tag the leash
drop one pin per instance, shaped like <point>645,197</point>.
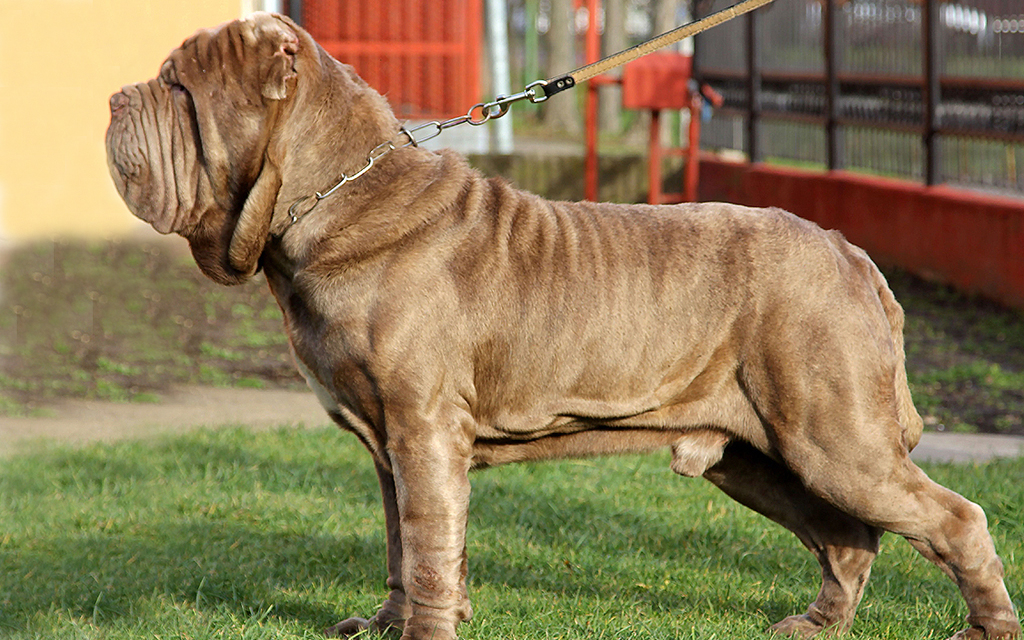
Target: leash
<point>584,73</point>
<point>536,92</point>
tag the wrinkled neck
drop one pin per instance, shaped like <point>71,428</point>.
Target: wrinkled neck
<point>327,136</point>
<point>399,197</point>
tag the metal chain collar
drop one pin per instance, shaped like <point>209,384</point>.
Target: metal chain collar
<point>487,111</point>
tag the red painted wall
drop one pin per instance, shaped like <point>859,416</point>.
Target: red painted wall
<point>972,241</point>
<point>424,56</point>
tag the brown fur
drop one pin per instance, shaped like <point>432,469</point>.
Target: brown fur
<point>451,322</point>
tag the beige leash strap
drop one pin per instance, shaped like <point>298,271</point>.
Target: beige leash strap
<point>587,72</point>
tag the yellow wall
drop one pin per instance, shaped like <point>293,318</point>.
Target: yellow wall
<point>59,62</point>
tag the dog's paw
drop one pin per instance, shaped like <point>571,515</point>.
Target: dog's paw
<point>363,628</point>
<point>347,628</point>
<point>429,628</point>
<point>386,624</point>
<point>970,633</point>
<point>800,627</point>
<point>1010,632</point>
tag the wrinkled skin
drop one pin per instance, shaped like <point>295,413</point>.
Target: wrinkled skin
<point>453,322</point>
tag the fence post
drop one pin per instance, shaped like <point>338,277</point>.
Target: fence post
<point>593,53</point>
<point>930,38</point>
<point>753,88</point>
<point>531,68</point>
<point>695,15</point>
<point>497,45</point>
<point>830,21</point>
<point>295,11</point>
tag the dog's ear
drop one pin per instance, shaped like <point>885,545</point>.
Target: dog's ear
<point>279,69</point>
<point>253,225</point>
<point>227,246</point>
<point>276,44</point>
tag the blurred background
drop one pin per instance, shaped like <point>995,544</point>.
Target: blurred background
<point>898,122</point>
<point>838,84</point>
<point>59,62</point>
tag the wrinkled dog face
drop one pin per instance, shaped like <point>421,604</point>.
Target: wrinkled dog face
<point>187,147</point>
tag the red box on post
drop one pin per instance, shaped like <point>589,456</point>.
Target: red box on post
<point>657,81</point>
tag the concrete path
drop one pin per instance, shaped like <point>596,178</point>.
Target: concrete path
<point>966,447</point>
<point>82,421</point>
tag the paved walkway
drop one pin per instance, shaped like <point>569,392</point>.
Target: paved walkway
<point>966,447</point>
<point>83,421</point>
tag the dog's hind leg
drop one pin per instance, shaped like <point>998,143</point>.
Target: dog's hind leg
<point>844,546</point>
<point>844,442</point>
<point>877,483</point>
<point>828,383</point>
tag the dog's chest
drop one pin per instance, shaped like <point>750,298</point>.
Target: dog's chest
<point>323,356</point>
<point>342,414</point>
<point>323,396</point>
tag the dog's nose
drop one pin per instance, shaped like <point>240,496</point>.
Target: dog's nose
<point>118,101</point>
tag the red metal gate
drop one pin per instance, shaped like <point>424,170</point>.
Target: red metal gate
<point>423,55</point>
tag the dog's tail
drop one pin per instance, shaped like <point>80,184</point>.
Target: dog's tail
<point>906,412</point>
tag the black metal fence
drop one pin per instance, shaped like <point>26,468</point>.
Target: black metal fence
<point>909,88</point>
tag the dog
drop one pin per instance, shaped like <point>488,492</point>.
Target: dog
<point>453,322</point>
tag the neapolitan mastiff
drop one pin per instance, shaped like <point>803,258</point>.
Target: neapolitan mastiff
<point>453,322</point>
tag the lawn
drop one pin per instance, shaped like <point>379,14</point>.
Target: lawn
<point>230,534</point>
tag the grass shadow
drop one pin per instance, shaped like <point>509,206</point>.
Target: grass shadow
<point>204,520</point>
<point>562,537</point>
<point>101,577</point>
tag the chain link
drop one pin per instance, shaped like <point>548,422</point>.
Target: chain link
<point>487,111</point>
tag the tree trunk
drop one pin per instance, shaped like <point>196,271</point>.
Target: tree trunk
<point>665,20</point>
<point>561,112</point>
<point>614,41</point>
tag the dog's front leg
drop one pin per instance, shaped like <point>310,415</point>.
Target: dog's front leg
<point>395,610</point>
<point>431,471</point>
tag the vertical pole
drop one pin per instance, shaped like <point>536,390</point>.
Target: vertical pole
<point>474,32</point>
<point>654,159</point>
<point>295,11</point>
<point>695,54</point>
<point>562,115</point>
<point>833,153</point>
<point>753,88</point>
<point>692,172</point>
<point>694,133</point>
<point>614,39</point>
<point>930,26</point>
<point>532,67</point>
<point>664,21</point>
<point>593,49</point>
<point>497,40</point>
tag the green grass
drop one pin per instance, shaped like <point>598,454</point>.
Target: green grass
<point>123,321</point>
<point>965,357</point>
<point>231,534</point>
